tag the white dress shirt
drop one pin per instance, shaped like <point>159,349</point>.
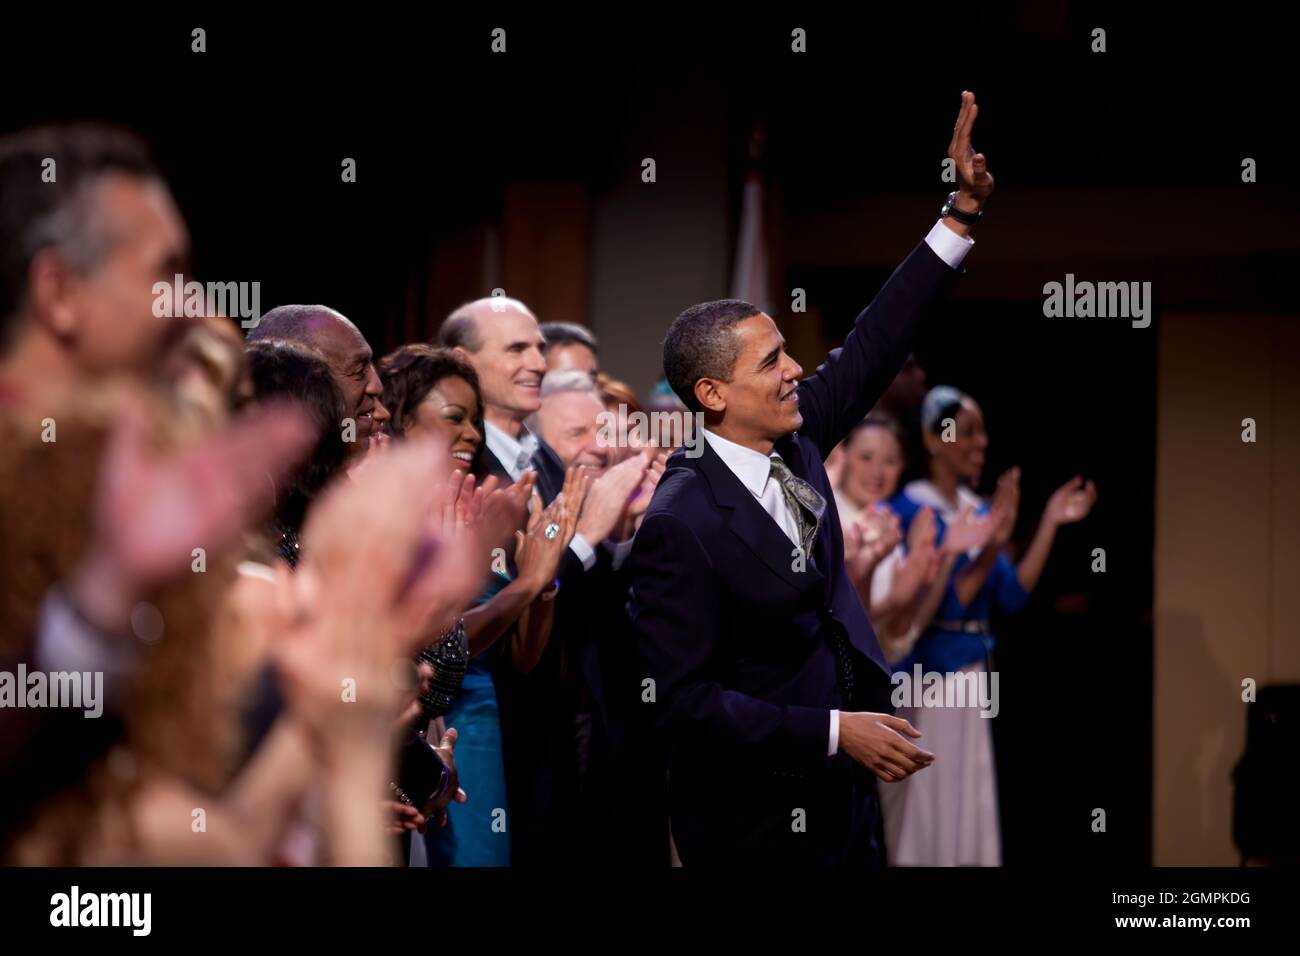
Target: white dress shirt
<point>754,469</point>
<point>516,457</point>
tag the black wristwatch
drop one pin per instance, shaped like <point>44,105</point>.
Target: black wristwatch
<point>970,218</point>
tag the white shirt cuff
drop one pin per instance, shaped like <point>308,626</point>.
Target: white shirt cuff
<point>586,554</point>
<point>835,734</point>
<point>947,245</point>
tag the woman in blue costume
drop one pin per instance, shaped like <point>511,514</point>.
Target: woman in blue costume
<point>431,391</point>
<point>947,815</point>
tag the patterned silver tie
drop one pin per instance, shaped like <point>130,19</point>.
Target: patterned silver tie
<point>809,507</point>
<point>806,503</point>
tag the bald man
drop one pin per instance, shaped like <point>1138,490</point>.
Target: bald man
<point>546,715</point>
<point>348,354</point>
<point>500,337</point>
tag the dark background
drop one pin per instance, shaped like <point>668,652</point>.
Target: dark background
<point>250,135</point>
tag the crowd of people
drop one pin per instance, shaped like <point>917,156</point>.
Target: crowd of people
<point>372,609</point>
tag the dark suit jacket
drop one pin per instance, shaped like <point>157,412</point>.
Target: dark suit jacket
<point>735,639</point>
<point>546,724</point>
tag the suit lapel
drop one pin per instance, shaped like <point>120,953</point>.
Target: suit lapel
<point>754,526</point>
<point>550,471</point>
<point>488,465</point>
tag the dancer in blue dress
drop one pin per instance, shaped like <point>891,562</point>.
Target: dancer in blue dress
<point>948,815</point>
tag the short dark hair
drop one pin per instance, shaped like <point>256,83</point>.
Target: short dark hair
<point>281,368</point>
<point>568,333</point>
<point>461,330</point>
<point>36,214</point>
<point>410,372</point>
<point>701,344</point>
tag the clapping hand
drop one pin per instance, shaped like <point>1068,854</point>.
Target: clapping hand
<point>369,578</point>
<point>607,503</point>
<point>970,531</point>
<point>922,552</point>
<point>152,510</point>
<point>539,550</point>
<point>1071,502</point>
<point>1005,506</point>
<point>871,536</point>
<point>641,500</point>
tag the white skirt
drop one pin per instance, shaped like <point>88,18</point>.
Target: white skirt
<point>947,813</point>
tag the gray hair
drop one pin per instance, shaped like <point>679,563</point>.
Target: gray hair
<point>563,380</point>
<point>560,381</point>
<point>63,212</point>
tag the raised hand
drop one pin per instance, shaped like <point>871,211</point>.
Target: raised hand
<point>974,181</point>
<point>1071,502</point>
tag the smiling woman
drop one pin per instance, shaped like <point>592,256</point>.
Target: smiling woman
<point>433,391</point>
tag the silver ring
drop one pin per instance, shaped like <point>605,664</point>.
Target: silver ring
<point>552,530</point>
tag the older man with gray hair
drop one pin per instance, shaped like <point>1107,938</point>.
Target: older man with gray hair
<point>569,418</point>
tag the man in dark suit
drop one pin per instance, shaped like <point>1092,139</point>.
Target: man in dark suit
<point>542,711</point>
<point>758,659</point>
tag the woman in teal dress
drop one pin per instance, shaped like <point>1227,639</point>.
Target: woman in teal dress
<point>469,838</point>
<point>431,391</point>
